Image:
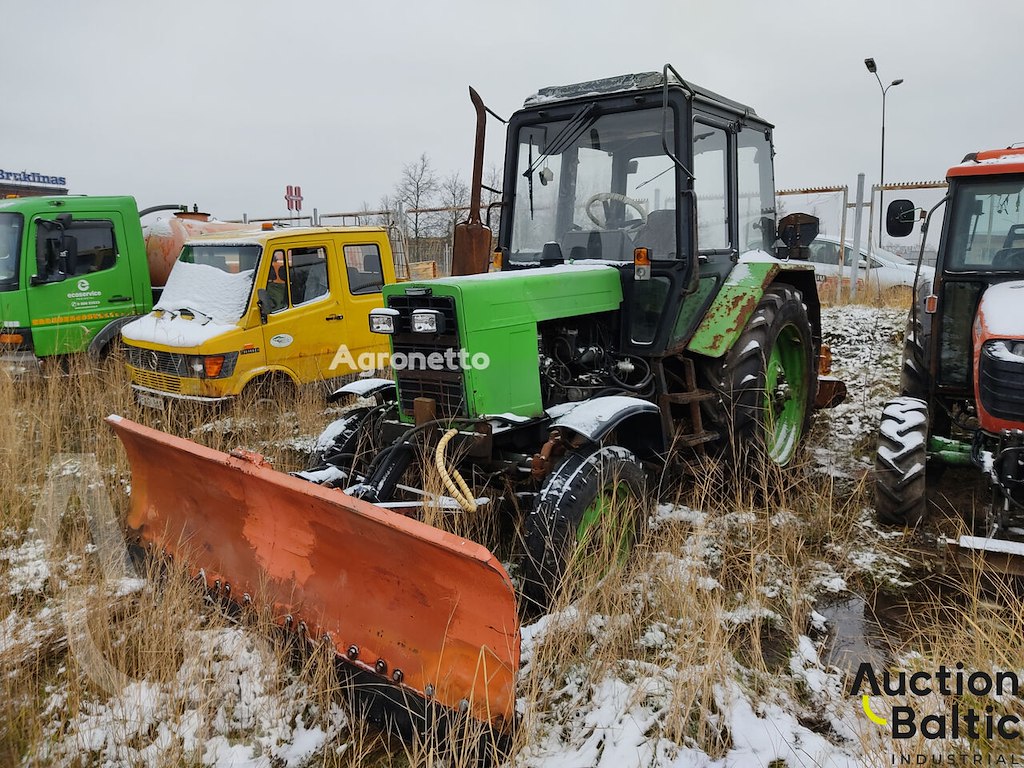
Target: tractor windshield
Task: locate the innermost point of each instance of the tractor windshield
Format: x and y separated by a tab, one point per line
10	249
987	232
594	186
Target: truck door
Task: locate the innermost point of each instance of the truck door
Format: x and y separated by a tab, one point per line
364	277
82	281
305	313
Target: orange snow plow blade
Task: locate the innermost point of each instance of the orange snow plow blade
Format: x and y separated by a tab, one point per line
422	615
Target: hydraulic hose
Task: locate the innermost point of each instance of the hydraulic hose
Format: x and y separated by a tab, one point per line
454	483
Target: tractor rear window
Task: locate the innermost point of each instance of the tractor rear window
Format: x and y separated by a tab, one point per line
987	232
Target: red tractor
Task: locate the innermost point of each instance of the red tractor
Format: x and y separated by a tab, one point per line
962	384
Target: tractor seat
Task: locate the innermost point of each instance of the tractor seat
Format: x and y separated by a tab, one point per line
658	233
1009	258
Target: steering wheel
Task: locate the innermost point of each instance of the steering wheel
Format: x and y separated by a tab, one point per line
603	197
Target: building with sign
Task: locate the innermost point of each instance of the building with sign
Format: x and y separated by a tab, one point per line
30	184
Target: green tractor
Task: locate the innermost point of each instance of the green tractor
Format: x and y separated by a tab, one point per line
642	304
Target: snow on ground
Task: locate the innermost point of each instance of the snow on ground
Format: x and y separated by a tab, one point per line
231	703
867	345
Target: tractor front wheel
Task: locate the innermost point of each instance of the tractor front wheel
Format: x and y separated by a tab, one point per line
901	461
592	506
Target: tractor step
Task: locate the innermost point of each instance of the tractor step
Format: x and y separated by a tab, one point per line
694	396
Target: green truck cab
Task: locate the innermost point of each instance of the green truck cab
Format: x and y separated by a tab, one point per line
75	268
70	269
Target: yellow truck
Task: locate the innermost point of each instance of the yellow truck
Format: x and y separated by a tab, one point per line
261	311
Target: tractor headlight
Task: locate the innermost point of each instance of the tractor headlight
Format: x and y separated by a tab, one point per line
427	321
382	320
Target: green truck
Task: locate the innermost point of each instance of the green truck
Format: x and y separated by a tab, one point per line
74	269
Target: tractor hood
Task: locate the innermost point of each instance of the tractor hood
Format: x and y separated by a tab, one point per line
528	296
999	314
492	319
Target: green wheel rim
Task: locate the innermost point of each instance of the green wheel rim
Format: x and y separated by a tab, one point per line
785	395
605	525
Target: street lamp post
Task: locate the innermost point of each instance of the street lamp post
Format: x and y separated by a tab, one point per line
873	69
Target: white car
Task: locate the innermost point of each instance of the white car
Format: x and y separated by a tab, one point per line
891	276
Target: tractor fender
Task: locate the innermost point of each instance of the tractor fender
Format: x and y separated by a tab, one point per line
106	335
739	295
381	389
593	419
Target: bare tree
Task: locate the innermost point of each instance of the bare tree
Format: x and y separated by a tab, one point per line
454	194
416	190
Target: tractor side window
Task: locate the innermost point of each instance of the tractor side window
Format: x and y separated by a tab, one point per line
307	274
710	166
365	273
756	214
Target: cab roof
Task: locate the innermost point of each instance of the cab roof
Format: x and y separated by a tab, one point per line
990	162
639	81
262	237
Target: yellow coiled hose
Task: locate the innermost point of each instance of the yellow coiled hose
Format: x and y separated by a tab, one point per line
453	483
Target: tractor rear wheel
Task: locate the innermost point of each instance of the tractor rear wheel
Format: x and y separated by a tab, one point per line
900	462
767	382
591	506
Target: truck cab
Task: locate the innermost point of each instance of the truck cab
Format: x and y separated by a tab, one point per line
259	310
69	268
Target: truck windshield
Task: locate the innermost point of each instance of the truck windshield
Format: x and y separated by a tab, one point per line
594	185
11	225
987	226
211	282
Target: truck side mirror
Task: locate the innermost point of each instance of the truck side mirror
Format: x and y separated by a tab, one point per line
899	218
263	301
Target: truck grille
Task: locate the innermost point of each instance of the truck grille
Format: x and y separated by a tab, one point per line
154	380
156	360
445	387
1001	385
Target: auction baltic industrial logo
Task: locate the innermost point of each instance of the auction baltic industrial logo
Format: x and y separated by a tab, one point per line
975	721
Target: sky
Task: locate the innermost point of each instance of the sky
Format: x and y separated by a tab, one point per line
225	102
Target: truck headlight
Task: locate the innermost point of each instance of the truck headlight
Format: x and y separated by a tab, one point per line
382	320
427	321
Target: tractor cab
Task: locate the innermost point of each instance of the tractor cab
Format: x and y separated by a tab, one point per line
982	244
636	172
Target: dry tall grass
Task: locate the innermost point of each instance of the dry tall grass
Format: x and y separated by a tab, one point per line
716	602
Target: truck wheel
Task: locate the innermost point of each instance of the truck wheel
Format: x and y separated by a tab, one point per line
593	502
900	462
767	381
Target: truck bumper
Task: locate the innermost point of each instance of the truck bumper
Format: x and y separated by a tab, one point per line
154	398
